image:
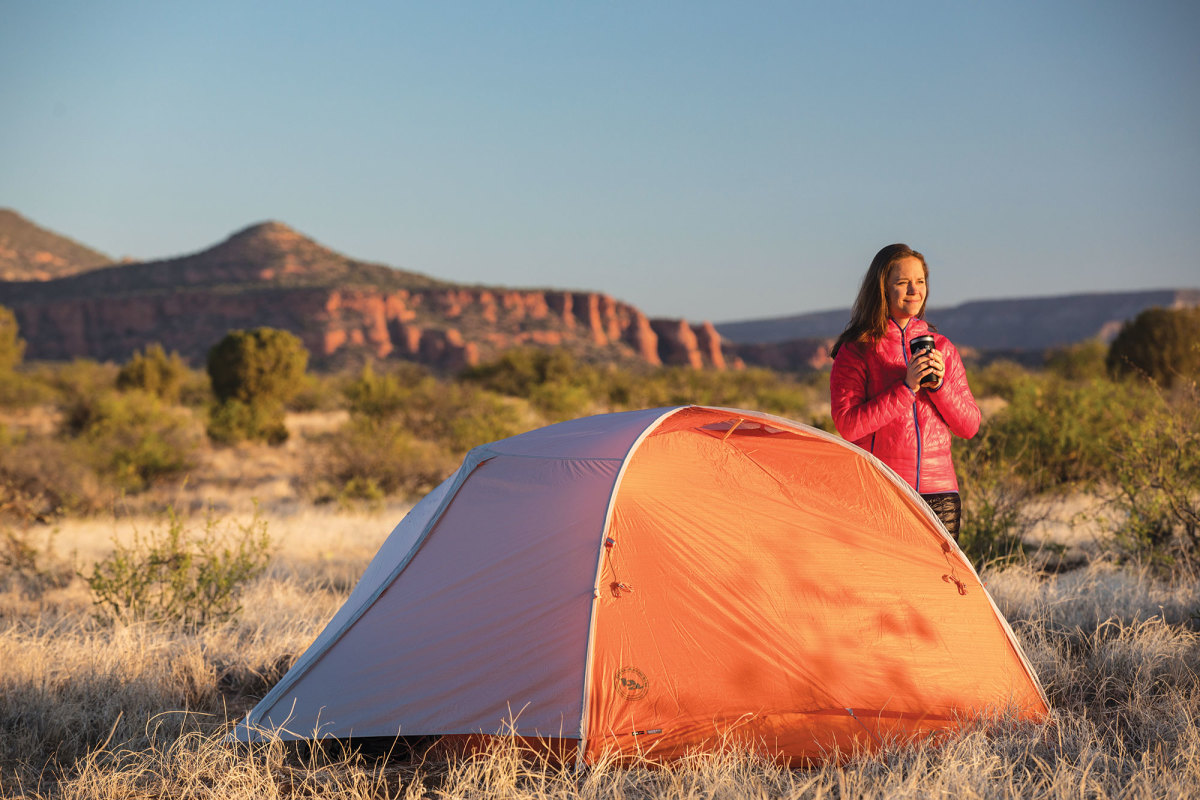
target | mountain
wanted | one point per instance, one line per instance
(1030, 324)
(72, 302)
(272, 275)
(263, 256)
(32, 253)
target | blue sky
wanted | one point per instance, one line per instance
(704, 160)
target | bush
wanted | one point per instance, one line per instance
(27, 565)
(1084, 361)
(561, 388)
(1156, 484)
(371, 458)
(20, 390)
(133, 440)
(384, 396)
(1055, 433)
(758, 389)
(518, 372)
(551, 380)
(456, 415)
(41, 478)
(79, 378)
(317, 393)
(254, 374)
(233, 421)
(249, 366)
(12, 346)
(995, 502)
(1000, 378)
(153, 371)
(16, 389)
(1162, 344)
(174, 575)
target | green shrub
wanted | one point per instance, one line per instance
(132, 439)
(317, 393)
(154, 372)
(477, 417)
(254, 374)
(78, 378)
(233, 421)
(371, 458)
(21, 390)
(552, 381)
(999, 379)
(559, 387)
(380, 396)
(995, 502)
(12, 346)
(264, 363)
(1159, 343)
(457, 415)
(1056, 433)
(518, 372)
(1084, 361)
(176, 575)
(44, 477)
(1156, 484)
(561, 400)
(16, 389)
(757, 389)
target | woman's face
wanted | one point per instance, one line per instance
(905, 288)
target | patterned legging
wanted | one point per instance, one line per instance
(948, 507)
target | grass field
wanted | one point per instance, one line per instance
(127, 710)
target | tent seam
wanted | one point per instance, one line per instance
(589, 651)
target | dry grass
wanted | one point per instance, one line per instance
(125, 711)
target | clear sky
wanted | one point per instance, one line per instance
(704, 160)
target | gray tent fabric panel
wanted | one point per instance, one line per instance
(604, 436)
(478, 628)
(392, 554)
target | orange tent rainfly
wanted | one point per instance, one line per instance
(657, 581)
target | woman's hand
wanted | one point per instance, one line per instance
(928, 363)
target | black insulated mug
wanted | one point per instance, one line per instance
(922, 344)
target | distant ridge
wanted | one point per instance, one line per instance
(29, 252)
(1031, 323)
(267, 254)
(342, 309)
(346, 310)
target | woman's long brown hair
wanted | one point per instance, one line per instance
(869, 318)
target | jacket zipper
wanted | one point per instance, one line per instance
(916, 421)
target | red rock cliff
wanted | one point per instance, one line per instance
(270, 275)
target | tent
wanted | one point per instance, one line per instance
(656, 581)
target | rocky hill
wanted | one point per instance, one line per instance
(32, 253)
(271, 275)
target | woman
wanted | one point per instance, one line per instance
(878, 399)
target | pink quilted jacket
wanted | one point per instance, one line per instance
(910, 433)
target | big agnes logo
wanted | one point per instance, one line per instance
(631, 683)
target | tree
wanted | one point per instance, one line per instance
(153, 371)
(1160, 343)
(12, 346)
(253, 375)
